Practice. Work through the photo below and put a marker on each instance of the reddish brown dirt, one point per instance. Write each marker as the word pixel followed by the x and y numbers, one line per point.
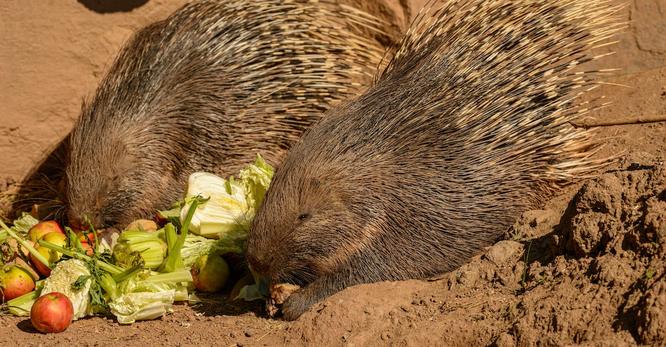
pixel 587 268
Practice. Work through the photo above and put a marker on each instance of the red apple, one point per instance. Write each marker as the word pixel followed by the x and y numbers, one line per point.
pixel 56 239
pixel 52 313
pixel 14 282
pixel 42 228
pixel 25 265
pixel 41 268
pixel 52 256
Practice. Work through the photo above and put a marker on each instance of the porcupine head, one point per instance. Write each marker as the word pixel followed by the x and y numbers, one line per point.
pixel 468 126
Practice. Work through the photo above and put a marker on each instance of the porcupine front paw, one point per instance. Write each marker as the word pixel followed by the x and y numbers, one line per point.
pixel 297 304
pixel 301 300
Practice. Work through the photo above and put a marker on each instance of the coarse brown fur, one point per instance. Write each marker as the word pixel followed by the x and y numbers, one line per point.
pixel 207 89
pixel 466 128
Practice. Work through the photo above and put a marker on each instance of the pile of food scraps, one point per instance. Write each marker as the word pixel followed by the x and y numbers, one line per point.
pixel 56 275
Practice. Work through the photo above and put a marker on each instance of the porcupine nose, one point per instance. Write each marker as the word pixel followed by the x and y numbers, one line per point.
pixel 259 266
pixel 260 271
pixel 82 221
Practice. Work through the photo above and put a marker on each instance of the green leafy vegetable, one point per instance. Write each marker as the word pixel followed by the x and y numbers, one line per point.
pixel 256 178
pixel 81 282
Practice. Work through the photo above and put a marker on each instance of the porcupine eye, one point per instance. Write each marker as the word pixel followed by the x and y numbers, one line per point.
pixel 304 217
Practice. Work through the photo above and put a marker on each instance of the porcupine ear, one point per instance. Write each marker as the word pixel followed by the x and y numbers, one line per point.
pixel 521 66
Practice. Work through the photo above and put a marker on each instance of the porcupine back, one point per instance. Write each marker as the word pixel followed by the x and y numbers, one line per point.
pixel 468 126
pixel 509 81
pixel 206 90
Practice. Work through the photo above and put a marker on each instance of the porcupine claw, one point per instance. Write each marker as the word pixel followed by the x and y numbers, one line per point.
pixel 279 293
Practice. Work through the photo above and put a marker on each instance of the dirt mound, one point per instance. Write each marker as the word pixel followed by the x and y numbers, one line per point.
pixel 604 263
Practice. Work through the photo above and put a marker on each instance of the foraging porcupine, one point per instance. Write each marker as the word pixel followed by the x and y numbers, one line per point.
pixel 207 89
pixel 467 127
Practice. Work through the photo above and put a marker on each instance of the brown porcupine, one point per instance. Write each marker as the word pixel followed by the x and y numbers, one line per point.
pixel 210 87
pixel 467 127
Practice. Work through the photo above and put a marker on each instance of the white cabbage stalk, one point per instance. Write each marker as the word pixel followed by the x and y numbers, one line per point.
pixel 226 209
pixel 197 246
pixel 148 295
pixel 131 307
pixel 232 203
pixel 61 279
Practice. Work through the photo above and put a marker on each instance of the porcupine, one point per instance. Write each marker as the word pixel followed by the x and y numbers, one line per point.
pixel 210 87
pixel 468 126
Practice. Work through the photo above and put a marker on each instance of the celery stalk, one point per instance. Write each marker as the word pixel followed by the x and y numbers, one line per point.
pixel 95 236
pixel 21 306
pixel 181 294
pixel 127 273
pixel 170 235
pixel 149 245
pixel 174 260
pixel 109 285
pixel 170 277
pixel 74 240
pixel 110 268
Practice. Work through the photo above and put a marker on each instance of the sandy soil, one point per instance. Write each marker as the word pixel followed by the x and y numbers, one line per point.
pixel 587 268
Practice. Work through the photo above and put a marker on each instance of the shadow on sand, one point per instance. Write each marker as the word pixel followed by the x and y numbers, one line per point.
pixel 44 185
pixel 105 6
